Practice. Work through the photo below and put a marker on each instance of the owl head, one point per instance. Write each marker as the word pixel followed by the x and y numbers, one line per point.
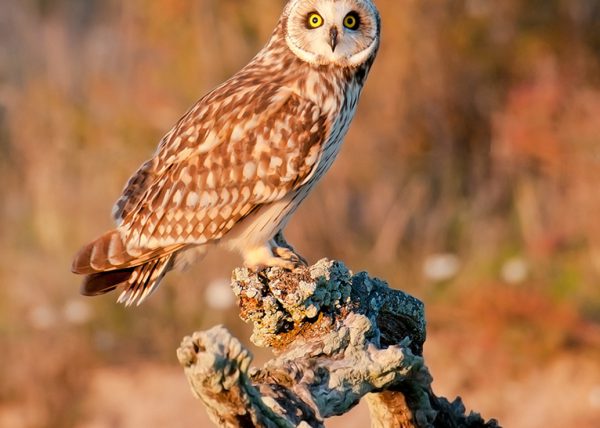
pixel 332 32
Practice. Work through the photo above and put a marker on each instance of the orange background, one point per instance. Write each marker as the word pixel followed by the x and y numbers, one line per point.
pixel 470 178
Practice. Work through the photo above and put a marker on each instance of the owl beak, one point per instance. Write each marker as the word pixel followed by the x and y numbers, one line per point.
pixel 333 38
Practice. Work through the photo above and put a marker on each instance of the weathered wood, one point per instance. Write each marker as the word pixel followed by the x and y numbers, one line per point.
pixel 337 337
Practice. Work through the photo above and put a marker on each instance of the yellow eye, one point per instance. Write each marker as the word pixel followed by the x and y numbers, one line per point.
pixel 314 20
pixel 351 21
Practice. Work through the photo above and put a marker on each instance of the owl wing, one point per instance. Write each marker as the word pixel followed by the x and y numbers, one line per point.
pixel 227 156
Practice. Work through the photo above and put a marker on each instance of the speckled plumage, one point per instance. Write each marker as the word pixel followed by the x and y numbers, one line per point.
pixel 240 161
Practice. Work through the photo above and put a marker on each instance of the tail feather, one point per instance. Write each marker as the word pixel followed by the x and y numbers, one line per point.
pixel 145 280
pixel 137 282
pixel 108 252
pixel 109 265
pixel 104 282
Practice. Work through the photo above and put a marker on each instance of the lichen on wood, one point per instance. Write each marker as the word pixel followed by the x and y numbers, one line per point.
pixel 337 337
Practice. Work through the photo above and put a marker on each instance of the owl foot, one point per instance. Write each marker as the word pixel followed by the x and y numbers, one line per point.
pixel 272 255
pixel 289 257
pixel 283 250
pixel 275 261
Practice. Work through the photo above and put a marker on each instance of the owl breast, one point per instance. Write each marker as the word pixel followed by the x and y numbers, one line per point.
pixel 338 131
pixel 340 105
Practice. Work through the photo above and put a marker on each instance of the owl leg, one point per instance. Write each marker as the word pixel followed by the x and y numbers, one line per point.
pixel 283 250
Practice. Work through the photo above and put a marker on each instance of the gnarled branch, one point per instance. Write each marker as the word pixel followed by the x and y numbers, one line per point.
pixel 337 337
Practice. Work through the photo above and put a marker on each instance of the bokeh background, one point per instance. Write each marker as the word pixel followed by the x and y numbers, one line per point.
pixel 470 178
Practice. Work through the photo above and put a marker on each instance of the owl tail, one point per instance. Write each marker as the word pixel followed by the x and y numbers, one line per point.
pixel 108 266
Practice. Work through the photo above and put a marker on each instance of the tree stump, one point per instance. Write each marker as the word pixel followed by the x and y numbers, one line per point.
pixel 337 337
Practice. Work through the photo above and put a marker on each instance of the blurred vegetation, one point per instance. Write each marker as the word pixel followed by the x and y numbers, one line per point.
pixel 470 173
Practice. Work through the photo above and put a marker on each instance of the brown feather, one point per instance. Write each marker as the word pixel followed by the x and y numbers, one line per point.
pixel 104 253
pixel 138 282
pixel 104 282
pixel 109 253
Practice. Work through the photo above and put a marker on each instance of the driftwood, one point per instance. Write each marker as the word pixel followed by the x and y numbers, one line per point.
pixel 337 337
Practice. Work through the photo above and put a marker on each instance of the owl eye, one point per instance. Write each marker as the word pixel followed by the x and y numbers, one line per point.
pixel 352 21
pixel 314 20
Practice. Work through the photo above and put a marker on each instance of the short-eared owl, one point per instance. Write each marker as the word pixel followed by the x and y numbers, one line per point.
pixel 239 162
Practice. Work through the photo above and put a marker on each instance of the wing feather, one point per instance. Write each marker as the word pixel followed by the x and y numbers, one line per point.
pixel 224 158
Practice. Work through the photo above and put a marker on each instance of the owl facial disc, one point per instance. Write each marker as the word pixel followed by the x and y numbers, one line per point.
pixel 332 32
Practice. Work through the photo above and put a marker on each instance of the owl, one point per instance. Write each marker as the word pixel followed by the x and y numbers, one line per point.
pixel 237 165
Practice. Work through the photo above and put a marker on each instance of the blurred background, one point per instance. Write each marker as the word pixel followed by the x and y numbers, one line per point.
pixel 470 178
